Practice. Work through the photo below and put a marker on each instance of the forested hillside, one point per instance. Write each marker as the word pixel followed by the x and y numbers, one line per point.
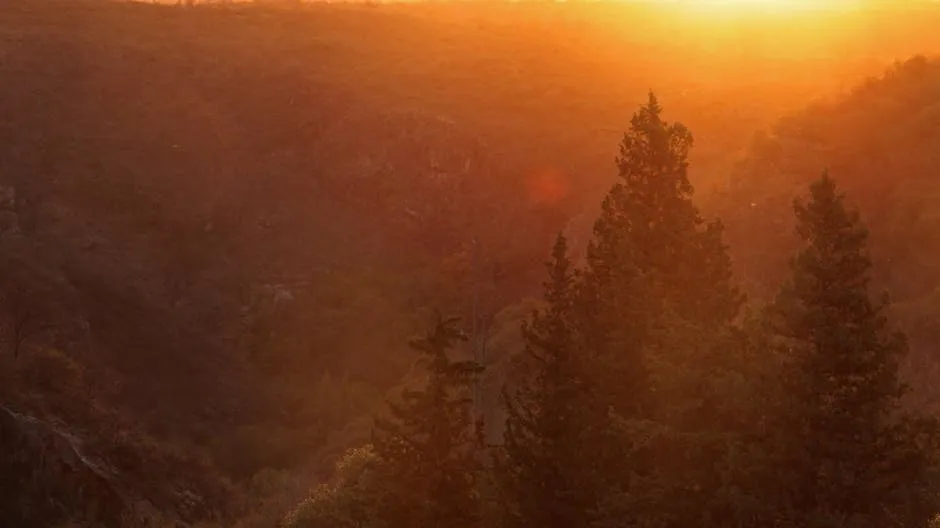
pixel 221 225
pixel 881 139
pixel 647 398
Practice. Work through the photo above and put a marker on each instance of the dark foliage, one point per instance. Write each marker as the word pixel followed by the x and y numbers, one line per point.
pixel 852 455
pixel 428 450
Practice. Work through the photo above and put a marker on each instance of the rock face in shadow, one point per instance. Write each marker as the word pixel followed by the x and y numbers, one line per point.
pixel 46 478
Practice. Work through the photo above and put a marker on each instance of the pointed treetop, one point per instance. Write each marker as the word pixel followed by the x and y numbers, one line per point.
pixel 652 104
pixel 560 276
pixel 654 150
pixel 824 219
pixel 824 190
pixel 560 249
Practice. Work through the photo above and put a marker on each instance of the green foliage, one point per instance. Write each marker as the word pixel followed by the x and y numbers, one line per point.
pixel 651 255
pixel 880 137
pixel 422 468
pixel 428 449
pixel 658 304
pixel 637 403
pixel 350 501
pixel 853 460
pixel 545 469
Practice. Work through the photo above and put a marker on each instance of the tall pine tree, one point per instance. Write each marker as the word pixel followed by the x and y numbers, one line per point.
pixel 546 472
pixel 652 253
pixel 656 310
pixel 428 449
pixel 852 457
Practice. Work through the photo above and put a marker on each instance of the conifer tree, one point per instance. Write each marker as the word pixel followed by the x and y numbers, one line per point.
pixel 652 253
pixel 656 310
pixel 852 457
pixel 545 472
pixel 428 449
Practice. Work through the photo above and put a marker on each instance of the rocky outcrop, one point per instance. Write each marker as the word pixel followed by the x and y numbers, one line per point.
pixel 46 477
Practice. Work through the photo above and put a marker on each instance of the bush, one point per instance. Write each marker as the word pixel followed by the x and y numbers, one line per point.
pixel 347 502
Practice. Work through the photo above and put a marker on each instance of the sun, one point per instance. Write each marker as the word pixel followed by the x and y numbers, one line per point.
pixel 742 2
pixel 767 6
pixel 780 4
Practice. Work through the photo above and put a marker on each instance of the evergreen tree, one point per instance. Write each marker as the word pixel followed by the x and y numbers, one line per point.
pixel 546 472
pixel 852 457
pixel 428 449
pixel 652 253
pixel 656 310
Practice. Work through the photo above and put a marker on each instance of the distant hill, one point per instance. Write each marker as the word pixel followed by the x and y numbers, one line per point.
pixel 238 215
pixel 879 141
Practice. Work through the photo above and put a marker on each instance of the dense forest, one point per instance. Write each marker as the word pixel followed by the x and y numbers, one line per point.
pixel 467 265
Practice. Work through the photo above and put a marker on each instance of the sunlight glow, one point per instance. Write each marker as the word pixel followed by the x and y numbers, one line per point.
pixel 738 6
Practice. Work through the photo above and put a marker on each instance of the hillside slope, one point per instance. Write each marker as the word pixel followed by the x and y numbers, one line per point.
pixel 238 215
pixel 879 142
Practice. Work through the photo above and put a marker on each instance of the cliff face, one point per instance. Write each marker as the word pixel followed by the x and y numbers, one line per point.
pixel 49 478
